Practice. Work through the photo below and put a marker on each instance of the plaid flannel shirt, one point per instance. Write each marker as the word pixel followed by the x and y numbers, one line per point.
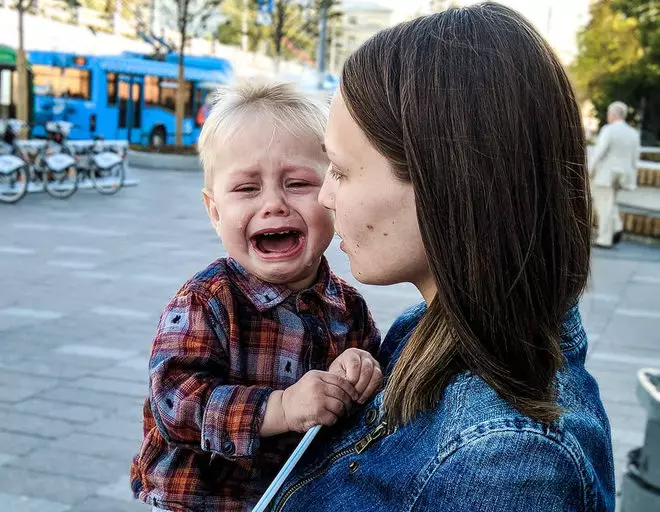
pixel 223 344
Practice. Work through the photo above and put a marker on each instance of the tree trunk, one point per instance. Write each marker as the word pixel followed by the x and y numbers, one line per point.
pixel 22 93
pixel 278 34
pixel 180 94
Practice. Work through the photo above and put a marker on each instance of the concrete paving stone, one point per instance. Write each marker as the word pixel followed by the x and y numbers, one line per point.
pixel 116 428
pixel 19 380
pixel 13 503
pixel 5 458
pixel 118 490
pixel 60 410
pixel 98 446
pixel 44 368
pixel 73 465
pixel 102 400
pixel 119 387
pixel 53 359
pixel 126 373
pixel 94 351
pixel 103 504
pixel 140 364
pixel 13 395
pixel 22 482
pixel 39 426
pixel 12 443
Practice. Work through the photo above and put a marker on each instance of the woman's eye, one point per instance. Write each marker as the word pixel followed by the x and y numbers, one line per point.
pixel 335 173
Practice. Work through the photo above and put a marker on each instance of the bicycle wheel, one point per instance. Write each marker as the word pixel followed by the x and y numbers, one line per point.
pixel 61 184
pixel 108 181
pixel 13 185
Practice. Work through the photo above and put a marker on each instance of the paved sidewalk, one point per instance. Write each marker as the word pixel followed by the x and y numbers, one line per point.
pixel 82 283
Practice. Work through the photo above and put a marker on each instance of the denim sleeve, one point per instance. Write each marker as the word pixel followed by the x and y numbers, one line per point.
pixel 507 470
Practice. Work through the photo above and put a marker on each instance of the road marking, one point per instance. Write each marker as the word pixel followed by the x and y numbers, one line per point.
pixel 34 226
pixel 72 249
pixel 646 279
pixel 94 351
pixel 99 276
pixel 73 265
pixel 156 279
pixel 38 314
pixel 604 297
pixel 120 312
pixel 637 313
pixel 12 249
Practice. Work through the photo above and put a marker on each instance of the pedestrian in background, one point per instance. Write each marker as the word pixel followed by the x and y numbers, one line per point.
pixel 613 166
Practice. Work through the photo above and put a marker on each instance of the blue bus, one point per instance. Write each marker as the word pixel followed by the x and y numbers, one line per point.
pixel 129 96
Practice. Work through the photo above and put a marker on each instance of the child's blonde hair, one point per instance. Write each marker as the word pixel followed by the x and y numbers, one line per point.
pixel 288 108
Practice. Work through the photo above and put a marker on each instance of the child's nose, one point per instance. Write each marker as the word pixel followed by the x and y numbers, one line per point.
pixel 275 206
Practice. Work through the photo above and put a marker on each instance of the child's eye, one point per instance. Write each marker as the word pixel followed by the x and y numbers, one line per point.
pixel 298 184
pixel 246 188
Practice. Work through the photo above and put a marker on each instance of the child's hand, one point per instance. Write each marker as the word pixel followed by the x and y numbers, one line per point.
pixel 360 369
pixel 318 398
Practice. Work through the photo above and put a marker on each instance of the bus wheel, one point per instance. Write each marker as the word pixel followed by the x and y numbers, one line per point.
pixel 157 138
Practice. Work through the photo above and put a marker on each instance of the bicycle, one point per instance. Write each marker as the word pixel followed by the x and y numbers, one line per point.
pixel 104 167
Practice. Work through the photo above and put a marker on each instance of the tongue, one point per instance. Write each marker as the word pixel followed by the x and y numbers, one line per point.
pixel 278 243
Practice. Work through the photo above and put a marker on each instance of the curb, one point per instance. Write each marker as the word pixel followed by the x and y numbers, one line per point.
pixel 163 162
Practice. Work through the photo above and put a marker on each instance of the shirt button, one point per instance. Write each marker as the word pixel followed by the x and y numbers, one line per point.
pixel 228 448
pixel 353 467
pixel 371 415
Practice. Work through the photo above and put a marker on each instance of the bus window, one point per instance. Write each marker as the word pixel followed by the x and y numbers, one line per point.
pixel 123 103
pixel 162 93
pixel 5 92
pixel 112 88
pixel 137 107
pixel 62 82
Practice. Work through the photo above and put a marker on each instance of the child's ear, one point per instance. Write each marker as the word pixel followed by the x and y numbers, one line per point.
pixel 211 209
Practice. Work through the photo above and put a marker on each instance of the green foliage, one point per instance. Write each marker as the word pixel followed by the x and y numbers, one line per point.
pixel 619 59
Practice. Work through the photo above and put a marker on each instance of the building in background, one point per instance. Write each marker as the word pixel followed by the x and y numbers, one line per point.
pixel 359 22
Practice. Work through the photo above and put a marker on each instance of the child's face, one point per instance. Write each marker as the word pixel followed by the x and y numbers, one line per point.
pixel 264 206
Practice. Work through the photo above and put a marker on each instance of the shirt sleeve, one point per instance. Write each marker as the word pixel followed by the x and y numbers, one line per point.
pixel 602 145
pixel 192 403
pixel 516 471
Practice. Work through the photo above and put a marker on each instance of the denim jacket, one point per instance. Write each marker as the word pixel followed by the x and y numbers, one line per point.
pixel 472 453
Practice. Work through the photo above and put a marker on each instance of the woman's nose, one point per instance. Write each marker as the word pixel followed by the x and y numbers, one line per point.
pixel 327 192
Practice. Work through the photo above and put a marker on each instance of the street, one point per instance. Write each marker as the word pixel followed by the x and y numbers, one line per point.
pixel 83 281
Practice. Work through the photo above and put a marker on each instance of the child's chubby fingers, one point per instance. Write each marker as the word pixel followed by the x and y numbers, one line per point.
pixel 368 367
pixel 374 384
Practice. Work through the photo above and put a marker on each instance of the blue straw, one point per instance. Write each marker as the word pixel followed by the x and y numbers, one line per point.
pixel 275 485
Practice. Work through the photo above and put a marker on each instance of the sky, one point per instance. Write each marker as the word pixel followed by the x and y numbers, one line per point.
pixel 558 20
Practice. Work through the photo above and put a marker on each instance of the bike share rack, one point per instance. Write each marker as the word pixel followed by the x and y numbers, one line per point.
pixel 80 145
pixel 641 483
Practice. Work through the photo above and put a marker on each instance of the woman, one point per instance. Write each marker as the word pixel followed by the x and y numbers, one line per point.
pixel 458 165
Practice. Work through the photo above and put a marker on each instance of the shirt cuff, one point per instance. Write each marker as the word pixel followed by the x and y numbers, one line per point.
pixel 232 420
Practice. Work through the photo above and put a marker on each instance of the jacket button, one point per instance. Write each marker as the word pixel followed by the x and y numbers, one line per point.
pixel 228 448
pixel 353 467
pixel 371 416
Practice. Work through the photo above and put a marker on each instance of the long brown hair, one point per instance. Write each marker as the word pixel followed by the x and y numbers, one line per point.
pixel 474 109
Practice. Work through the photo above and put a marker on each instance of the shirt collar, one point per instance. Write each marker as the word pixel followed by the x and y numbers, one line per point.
pixel 265 296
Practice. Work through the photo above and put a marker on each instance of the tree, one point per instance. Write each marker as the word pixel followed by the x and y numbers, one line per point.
pixel 230 31
pixel 193 18
pixel 23 94
pixel 619 59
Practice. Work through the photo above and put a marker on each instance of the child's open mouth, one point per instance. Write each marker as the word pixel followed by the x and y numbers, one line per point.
pixel 278 244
